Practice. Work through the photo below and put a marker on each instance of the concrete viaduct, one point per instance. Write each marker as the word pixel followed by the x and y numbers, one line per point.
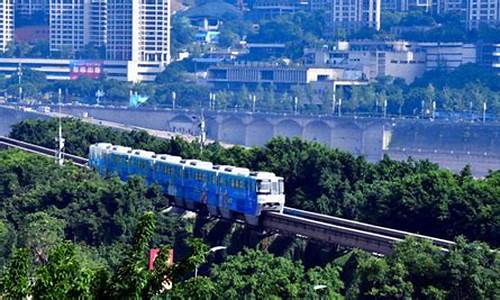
pixel 358 136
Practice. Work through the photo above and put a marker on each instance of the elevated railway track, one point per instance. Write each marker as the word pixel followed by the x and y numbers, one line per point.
pixel 296 222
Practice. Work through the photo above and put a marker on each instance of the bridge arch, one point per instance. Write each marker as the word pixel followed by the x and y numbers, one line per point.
pixel 288 128
pixel 182 124
pixel 318 131
pixel 348 137
pixel 259 132
pixel 212 128
pixel 232 131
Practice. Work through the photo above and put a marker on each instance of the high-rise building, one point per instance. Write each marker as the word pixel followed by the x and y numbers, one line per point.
pixel 68 25
pixel 451 6
pixel 482 12
pixel 6 23
pixel 139 30
pixel 354 14
pixel 31 8
pixel 98 22
pixel 75 23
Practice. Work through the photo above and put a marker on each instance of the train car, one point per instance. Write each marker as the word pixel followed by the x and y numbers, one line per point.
pixel 197 177
pixel 225 190
pixel 117 162
pixel 213 202
pixel 141 163
pixel 98 154
pixel 270 191
pixel 235 192
pixel 168 174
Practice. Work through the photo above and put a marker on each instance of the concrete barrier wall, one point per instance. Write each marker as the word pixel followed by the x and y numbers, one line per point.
pixel 9 117
pixel 452 145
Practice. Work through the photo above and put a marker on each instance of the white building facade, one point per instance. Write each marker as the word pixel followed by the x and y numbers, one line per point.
pixel 133 32
pixel 68 25
pixel 401 59
pixel 6 23
pixel 482 12
pixel 29 8
pixel 354 14
pixel 139 31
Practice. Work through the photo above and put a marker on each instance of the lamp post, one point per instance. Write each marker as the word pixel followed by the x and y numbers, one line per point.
pixel 19 80
pixel 296 105
pixel 211 250
pixel 484 111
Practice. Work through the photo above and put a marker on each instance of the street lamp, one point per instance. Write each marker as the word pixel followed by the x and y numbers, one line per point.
pixel 19 78
pixel 211 250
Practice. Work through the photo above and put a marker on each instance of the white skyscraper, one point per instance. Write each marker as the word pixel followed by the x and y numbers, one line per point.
pixel 98 22
pixel 482 12
pixel 139 30
pixel 68 24
pixel 76 23
pixel 6 23
pixel 354 14
pixel 30 8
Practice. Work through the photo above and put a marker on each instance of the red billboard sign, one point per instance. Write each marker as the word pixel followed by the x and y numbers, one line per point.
pixel 89 69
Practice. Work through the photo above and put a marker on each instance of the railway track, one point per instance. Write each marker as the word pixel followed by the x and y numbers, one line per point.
pixel 296 222
pixel 394 233
pixel 12 143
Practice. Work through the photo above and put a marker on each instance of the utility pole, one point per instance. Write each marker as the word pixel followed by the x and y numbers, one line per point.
pixel 210 100
pixel 174 95
pixel 334 98
pixel 296 105
pixel 19 81
pixel 385 108
pixel 203 134
pixel 59 138
pixel 484 111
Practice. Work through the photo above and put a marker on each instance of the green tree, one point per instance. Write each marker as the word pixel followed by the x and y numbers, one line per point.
pixel 42 232
pixel 15 277
pixel 63 276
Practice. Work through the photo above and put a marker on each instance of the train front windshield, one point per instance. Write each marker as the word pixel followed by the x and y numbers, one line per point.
pixel 274 187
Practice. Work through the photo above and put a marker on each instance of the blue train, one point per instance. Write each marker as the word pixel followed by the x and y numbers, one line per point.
pixel 225 191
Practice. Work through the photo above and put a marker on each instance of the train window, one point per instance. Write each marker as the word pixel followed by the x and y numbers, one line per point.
pixel 263 187
pixel 275 188
pixel 281 186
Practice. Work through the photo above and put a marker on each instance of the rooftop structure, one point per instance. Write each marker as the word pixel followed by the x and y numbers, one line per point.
pixel 66 69
pixel 401 59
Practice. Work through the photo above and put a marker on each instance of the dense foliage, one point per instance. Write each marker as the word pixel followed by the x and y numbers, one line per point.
pixel 412 195
pixel 112 225
pixel 55 268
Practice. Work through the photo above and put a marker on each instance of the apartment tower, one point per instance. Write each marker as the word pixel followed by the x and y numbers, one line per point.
pixel 139 30
pixel 6 23
pixel 482 12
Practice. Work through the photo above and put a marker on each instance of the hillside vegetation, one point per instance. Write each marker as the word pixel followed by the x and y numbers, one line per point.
pixel 416 196
pixel 67 233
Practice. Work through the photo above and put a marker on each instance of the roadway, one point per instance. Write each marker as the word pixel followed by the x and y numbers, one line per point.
pixel 162 134
pixel 295 222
